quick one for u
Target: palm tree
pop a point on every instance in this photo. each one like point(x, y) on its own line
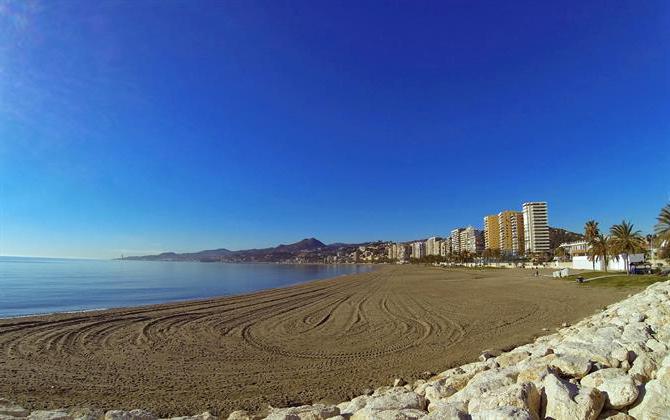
point(626, 241)
point(591, 232)
point(663, 231)
point(600, 249)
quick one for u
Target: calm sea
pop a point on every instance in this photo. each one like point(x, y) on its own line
point(46, 285)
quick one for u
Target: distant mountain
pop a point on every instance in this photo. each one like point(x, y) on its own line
point(557, 236)
point(222, 254)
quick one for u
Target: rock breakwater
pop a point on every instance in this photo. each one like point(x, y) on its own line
point(612, 365)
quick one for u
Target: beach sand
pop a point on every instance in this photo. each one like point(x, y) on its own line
point(326, 340)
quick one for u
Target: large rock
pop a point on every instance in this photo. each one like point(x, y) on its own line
point(49, 415)
point(445, 410)
point(524, 396)
point(486, 381)
point(503, 413)
point(9, 409)
point(566, 401)
point(396, 399)
point(446, 387)
point(129, 415)
point(571, 365)
point(512, 358)
point(304, 412)
point(654, 401)
point(350, 407)
point(619, 389)
point(643, 368)
point(404, 414)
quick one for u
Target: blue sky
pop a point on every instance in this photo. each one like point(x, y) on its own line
point(144, 126)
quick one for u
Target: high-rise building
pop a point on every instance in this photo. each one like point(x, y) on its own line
point(518, 237)
point(456, 240)
point(445, 247)
point(536, 226)
point(505, 230)
point(472, 240)
point(491, 232)
point(418, 249)
point(433, 246)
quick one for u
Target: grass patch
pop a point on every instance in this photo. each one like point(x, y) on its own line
point(626, 281)
point(590, 275)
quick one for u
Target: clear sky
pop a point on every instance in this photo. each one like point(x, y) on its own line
point(142, 126)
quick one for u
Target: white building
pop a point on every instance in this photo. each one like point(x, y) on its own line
point(582, 262)
point(536, 226)
point(575, 248)
point(418, 249)
point(433, 246)
point(472, 240)
point(456, 240)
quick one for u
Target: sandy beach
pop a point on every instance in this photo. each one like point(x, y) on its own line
point(326, 340)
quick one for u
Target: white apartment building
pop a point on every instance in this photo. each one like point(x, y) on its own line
point(433, 245)
point(418, 249)
point(456, 240)
point(536, 226)
point(472, 240)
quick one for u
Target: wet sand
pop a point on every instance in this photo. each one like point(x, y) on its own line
point(326, 340)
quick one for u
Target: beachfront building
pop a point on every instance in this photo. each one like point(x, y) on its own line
point(445, 247)
point(418, 250)
point(398, 251)
point(575, 248)
point(505, 237)
point(433, 245)
point(491, 232)
point(455, 238)
point(518, 236)
point(536, 227)
point(472, 240)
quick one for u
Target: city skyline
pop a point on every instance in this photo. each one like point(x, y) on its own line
point(135, 128)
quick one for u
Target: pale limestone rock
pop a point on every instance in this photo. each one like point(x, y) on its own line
point(623, 354)
point(484, 382)
point(571, 365)
point(129, 415)
point(446, 387)
point(235, 415)
point(350, 407)
point(614, 415)
point(643, 368)
point(9, 409)
point(656, 346)
point(86, 413)
point(399, 382)
point(511, 358)
point(444, 411)
point(445, 407)
point(239, 415)
point(396, 399)
point(619, 389)
point(503, 413)
point(563, 400)
point(305, 412)
point(655, 400)
point(49, 415)
point(402, 414)
point(524, 396)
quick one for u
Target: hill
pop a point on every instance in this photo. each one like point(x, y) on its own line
point(557, 236)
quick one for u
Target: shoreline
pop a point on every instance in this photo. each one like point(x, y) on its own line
point(394, 322)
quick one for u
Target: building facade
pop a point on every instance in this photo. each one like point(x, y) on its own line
point(472, 240)
point(491, 232)
point(433, 245)
point(455, 238)
point(418, 250)
point(518, 235)
point(505, 231)
point(536, 227)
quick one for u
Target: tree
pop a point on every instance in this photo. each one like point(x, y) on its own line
point(560, 253)
point(625, 241)
point(662, 229)
point(591, 232)
point(600, 249)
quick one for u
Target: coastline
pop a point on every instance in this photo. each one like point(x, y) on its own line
point(394, 321)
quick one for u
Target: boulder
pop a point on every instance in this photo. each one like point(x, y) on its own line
point(571, 365)
point(503, 413)
point(563, 400)
point(524, 396)
point(618, 388)
point(240, 415)
point(614, 415)
point(654, 400)
point(403, 414)
point(643, 368)
point(304, 412)
point(129, 415)
point(443, 409)
point(350, 407)
point(10, 409)
point(49, 415)
point(486, 381)
point(446, 387)
point(396, 399)
point(511, 358)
